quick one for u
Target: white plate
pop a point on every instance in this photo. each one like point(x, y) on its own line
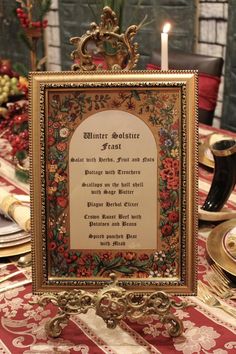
point(14, 237)
point(8, 226)
point(15, 242)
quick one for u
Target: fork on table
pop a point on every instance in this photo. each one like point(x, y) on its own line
point(209, 299)
point(223, 277)
point(219, 287)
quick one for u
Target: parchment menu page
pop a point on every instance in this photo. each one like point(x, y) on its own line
point(113, 183)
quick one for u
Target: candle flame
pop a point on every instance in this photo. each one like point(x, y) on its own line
point(166, 27)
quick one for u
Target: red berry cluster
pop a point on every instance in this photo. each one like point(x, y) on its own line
point(15, 126)
point(26, 22)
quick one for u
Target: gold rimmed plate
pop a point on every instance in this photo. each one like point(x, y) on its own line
point(229, 243)
point(216, 249)
point(13, 237)
point(21, 241)
point(222, 215)
point(15, 250)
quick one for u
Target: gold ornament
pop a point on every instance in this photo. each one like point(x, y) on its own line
point(113, 304)
point(118, 50)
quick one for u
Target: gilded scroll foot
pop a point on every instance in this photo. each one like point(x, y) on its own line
point(173, 324)
point(53, 327)
point(113, 304)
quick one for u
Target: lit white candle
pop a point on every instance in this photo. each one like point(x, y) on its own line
point(164, 46)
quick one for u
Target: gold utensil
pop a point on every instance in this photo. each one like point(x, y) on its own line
point(221, 274)
point(209, 299)
point(218, 287)
point(23, 261)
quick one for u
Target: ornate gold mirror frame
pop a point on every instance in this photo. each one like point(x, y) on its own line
point(118, 50)
point(112, 303)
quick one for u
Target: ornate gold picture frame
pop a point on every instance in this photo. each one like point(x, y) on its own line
point(114, 180)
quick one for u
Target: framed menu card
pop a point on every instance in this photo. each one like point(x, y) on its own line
point(114, 180)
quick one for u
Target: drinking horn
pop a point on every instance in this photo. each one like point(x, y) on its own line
point(224, 178)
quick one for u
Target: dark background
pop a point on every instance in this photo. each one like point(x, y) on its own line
point(75, 17)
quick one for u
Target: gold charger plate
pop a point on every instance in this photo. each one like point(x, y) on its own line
point(215, 249)
point(229, 243)
point(224, 214)
point(15, 250)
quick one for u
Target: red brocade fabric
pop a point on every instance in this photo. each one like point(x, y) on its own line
point(207, 329)
point(208, 91)
point(208, 88)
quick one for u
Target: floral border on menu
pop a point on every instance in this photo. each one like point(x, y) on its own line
point(161, 111)
point(167, 103)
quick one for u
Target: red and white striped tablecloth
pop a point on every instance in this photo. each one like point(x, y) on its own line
point(206, 329)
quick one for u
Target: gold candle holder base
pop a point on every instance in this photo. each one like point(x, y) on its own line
point(113, 304)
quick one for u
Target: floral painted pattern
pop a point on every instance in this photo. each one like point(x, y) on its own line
point(197, 340)
point(160, 112)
